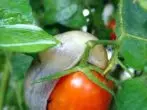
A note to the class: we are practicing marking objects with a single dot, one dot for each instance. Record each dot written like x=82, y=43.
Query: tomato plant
x=36, y=51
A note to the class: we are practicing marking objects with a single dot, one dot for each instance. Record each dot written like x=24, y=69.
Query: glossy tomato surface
x=77, y=92
x=112, y=24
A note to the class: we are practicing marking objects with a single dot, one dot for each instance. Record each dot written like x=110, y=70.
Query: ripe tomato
x=77, y=92
x=112, y=36
x=112, y=24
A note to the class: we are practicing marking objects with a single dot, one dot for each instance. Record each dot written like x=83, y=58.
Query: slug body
x=60, y=58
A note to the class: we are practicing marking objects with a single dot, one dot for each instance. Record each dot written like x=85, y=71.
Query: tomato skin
x=112, y=24
x=112, y=36
x=77, y=92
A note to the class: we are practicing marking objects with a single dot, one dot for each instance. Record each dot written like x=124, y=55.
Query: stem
x=92, y=43
x=124, y=67
x=92, y=77
x=97, y=69
x=117, y=82
x=17, y=87
x=112, y=61
x=85, y=56
x=4, y=83
x=56, y=75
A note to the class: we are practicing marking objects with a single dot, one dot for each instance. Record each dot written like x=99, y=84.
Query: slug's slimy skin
x=70, y=51
x=60, y=58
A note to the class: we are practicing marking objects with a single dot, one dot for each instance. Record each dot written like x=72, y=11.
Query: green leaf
x=98, y=23
x=132, y=30
x=16, y=92
x=19, y=91
x=15, y=12
x=77, y=20
x=36, y=6
x=132, y=94
x=143, y=4
x=65, y=12
x=89, y=3
x=2, y=60
x=25, y=38
x=145, y=69
x=9, y=96
x=97, y=15
x=20, y=65
x=59, y=10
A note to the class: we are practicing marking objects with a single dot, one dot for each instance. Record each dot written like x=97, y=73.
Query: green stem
x=92, y=77
x=112, y=61
x=124, y=67
x=97, y=69
x=17, y=87
x=55, y=75
x=4, y=83
x=117, y=82
x=92, y=43
x=85, y=56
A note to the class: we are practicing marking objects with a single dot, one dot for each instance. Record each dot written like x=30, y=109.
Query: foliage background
x=43, y=19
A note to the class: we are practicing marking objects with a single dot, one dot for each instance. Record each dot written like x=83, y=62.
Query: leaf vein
x=121, y=18
x=123, y=33
x=135, y=37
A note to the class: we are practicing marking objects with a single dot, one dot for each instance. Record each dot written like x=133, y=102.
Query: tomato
x=112, y=36
x=112, y=24
x=77, y=92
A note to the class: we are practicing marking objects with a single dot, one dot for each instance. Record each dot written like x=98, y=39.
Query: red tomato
x=77, y=92
x=112, y=36
x=112, y=24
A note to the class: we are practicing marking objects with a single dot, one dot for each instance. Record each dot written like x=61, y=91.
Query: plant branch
x=90, y=44
x=117, y=82
x=97, y=69
x=85, y=56
x=55, y=75
x=92, y=77
x=4, y=83
x=112, y=61
x=124, y=67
